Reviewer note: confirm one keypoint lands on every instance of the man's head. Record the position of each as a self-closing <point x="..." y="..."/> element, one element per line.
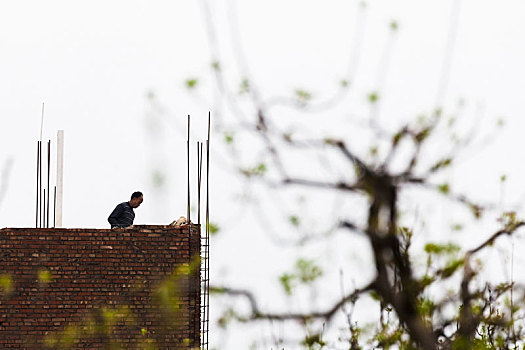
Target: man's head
<point x="136" y="199"/>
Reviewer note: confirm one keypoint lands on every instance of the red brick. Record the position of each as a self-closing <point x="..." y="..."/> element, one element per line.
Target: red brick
<point x="87" y="274"/>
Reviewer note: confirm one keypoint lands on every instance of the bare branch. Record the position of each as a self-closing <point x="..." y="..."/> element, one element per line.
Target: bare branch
<point x="320" y="184"/>
<point x="350" y="155"/>
<point x="257" y="314"/>
<point x="467" y="320"/>
<point x="508" y="230"/>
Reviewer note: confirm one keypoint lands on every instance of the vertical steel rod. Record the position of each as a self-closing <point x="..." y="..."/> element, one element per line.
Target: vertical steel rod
<point x="188" y="166"/>
<point x="199" y="178"/>
<point x="37" y="179"/>
<point x="198" y="190"/>
<point x="208" y="232"/>
<point x="48" y="174"/>
<point x="44" y="210"/>
<point x="54" y="207"/>
<point x="40" y="186"/>
<point x="59" y="177"/>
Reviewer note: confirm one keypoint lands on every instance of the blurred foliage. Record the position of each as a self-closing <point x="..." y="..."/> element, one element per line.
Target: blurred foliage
<point x="244" y="87"/>
<point x="228" y="137"/>
<point x="258" y="170"/>
<point x="45" y="276"/>
<point x="302" y="97"/>
<point x="191" y="83"/>
<point x="158" y="178"/>
<point x="6" y="285"/>
<point x="213" y="228"/>
<point x="305" y="272"/>
<point x="373" y="97"/>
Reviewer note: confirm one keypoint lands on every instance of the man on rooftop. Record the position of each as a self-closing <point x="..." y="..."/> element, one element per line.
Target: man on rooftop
<point x="123" y="214"/>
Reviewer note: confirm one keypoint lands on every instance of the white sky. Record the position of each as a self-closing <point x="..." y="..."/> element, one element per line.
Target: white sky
<point x="92" y="63"/>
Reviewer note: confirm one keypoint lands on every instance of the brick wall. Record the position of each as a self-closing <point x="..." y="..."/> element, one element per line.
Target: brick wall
<point x="86" y="288"/>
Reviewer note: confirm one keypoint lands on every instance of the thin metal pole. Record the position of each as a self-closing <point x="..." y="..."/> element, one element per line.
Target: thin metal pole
<point x="208" y="232"/>
<point x="40" y="186"/>
<point x="48" y="173"/>
<point x="60" y="177"/>
<point x="199" y="178"/>
<point x="54" y="208"/>
<point x="188" y="166"/>
<point x="44" y="209"/>
<point x="37" y="179"/>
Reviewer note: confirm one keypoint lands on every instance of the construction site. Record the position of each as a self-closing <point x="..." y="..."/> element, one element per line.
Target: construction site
<point x="142" y="286"/>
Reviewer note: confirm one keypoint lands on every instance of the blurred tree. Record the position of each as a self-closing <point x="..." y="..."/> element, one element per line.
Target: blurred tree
<point x="299" y="142"/>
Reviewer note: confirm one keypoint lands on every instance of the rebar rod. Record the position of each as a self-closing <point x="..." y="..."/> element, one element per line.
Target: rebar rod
<point x="48" y="174"/>
<point x="37" y="179"/>
<point x="208" y="231"/>
<point x="40" y="186"/>
<point x="203" y="253"/>
<point x="188" y="166"/>
<point x="44" y="210"/>
<point x="55" y="208"/>
<point x="199" y="178"/>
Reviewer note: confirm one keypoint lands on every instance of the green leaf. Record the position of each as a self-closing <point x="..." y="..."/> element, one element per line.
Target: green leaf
<point x="397" y="137"/>
<point x="150" y="95"/>
<point x="444" y="188"/>
<point x="344" y="83"/>
<point x="183" y="270"/>
<point x="443" y="163"/>
<point x="425" y="307"/>
<point x="509" y="218"/>
<point x="261" y="168"/>
<point x="158" y="178"/>
<point x="191" y="83"/>
<point x="307" y="270"/>
<point x="287" y="282"/>
<point x="216" y="65"/>
<point x="228" y="137"/>
<point x="405" y="231"/>
<point x="451" y="267"/>
<point x="448" y="248"/>
<point x="302" y="96"/>
<point x="213" y="228"/>
<point x="375" y="296"/>
<point x="451" y="122"/>
<point x="313" y="341"/>
<point x="456" y="227"/>
<point x="423" y="134"/>
<point x="394" y="25"/>
<point x="44" y="276"/>
<point x="476" y="210"/>
<point x="294" y="220"/>
<point x="6" y="284"/>
<point x="244" y="86"/>
<point x="227" y="316"/>
<point x="426" y="281"/>
<point x="258" y="170"/>
<point x="373" y="97"/>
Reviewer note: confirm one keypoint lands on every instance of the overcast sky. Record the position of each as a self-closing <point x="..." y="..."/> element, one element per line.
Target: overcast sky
<point x="94" y="63"/>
